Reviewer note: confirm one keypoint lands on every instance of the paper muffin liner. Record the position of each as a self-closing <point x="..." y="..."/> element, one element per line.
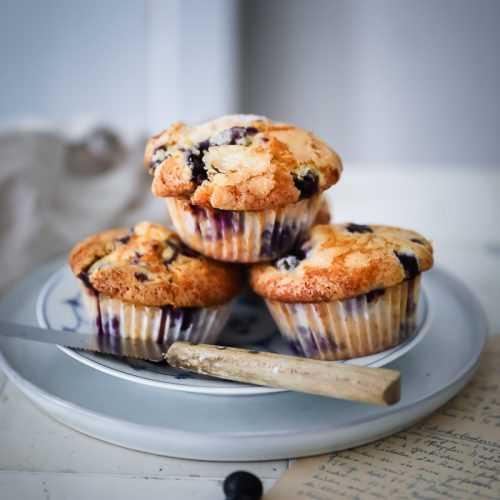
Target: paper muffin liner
<point x="242" y="236"/>
<point x="164" y="325"/>
<point x="350" y="328"/>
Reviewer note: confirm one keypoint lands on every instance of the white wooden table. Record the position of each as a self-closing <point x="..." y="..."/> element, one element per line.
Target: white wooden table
<point x="458" y="207"/>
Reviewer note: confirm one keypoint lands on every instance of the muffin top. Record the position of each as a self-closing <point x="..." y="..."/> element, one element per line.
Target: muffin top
<point x="149" y="265"/>
<point x="240" y="162"/>
<point x="342" y="261"/>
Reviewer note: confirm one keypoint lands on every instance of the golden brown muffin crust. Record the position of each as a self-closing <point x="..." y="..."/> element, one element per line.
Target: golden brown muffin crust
<point x="149" y="265"/>
<point x="240" y="162"/>
<point x="342" y="261"/>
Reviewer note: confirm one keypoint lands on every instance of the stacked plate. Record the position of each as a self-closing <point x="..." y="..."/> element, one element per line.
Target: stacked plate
<point x="154" y="408"/>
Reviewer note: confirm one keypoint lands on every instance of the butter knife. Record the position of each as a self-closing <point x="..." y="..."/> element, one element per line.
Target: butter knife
<point x="325" y="378"/>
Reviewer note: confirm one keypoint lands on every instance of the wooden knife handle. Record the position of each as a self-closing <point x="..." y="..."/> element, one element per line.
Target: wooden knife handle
<point x="326" y="378"/>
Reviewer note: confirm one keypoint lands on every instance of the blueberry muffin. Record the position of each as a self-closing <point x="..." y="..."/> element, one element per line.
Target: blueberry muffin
<point x="144" y="282"/>
<point x="348" y="290"/>
<point x="241" y="188"/>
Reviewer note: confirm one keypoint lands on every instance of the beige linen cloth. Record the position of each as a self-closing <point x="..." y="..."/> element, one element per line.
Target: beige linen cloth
<point x="58" y="187"/>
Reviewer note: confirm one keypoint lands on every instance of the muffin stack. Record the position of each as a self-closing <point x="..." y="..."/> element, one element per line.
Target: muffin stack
<point x="245" y="190"/>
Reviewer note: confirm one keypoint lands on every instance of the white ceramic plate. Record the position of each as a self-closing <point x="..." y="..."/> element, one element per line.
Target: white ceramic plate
<point x="60" y="307"/>
<point x="266" y="427"/>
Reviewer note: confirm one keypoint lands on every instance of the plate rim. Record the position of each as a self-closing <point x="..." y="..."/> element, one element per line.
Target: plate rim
<point x="421" y="407"/>
<point x="50" y="404"/>
<point x="14" y="375"/>
<point x="239" y="389"/>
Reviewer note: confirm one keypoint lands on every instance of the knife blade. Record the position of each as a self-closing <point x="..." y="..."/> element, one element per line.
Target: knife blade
<point x="355" y="383"/>
<point x="105" y="344"/>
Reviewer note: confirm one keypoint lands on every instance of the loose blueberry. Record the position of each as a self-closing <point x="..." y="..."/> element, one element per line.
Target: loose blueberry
<point x="307" y="184"/>
<point x="409" y="263"/>
<point x="142" y="277"/>
<point x="242" y="485"/>
<point x="374" y="294"/>
<point x="359" y="228"/>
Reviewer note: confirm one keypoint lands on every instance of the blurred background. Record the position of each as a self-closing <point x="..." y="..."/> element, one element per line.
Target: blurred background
<point x="382" y="80"/>
<point x="407" y="92"/>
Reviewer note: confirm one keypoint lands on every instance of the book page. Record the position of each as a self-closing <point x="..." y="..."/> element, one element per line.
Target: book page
<point x="453" y="454"/>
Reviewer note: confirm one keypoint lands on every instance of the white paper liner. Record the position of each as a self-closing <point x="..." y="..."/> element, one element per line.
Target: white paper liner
<point x="251" y="236"/>
<point x="165" y="325"/>
<point x="350" y="328"/>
